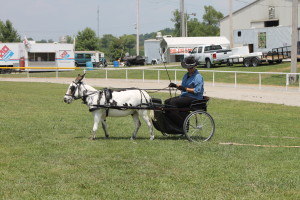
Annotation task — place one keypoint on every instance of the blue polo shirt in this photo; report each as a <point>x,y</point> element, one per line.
<point>195,81</point>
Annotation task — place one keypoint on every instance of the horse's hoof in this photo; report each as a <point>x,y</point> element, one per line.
<point>151,138</point>
<point>93,138</point>
<point>132,138</point>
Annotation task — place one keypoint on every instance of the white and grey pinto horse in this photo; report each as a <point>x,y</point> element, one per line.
<point>101,101</point>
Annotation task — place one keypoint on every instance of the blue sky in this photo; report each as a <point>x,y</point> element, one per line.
<point>50,19</point>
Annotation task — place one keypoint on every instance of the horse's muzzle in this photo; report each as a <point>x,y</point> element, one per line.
<point>67,100</point>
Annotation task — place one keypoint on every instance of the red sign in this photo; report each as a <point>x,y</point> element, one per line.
<point>180,50</point>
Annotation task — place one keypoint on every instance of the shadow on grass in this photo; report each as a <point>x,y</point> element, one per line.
<point>169,137</point>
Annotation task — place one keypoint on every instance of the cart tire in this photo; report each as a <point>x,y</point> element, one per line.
<point>199,126</point>
<point>255,62</point>
<point>247,62</point>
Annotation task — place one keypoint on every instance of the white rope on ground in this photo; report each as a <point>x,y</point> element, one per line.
<point>256,145</point>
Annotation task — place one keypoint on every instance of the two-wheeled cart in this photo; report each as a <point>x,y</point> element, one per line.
<point>196,123</point>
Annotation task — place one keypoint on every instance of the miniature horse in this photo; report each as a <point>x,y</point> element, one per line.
<point>109,103</point>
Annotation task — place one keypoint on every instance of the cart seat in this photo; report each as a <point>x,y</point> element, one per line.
<point>200,104</point>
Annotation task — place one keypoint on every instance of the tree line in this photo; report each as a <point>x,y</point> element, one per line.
<point>118,47</point>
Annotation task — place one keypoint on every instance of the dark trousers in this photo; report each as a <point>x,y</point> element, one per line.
<point>176,116</point>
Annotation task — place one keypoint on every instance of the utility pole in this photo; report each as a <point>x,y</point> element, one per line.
<point>98,22</point>
<point>137,27</point>
<point>230,24</point>
<point>182,17</point>
<point>292,79</point>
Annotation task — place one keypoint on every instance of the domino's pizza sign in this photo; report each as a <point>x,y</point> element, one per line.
<point>64,55</point>
<point>6,53</point>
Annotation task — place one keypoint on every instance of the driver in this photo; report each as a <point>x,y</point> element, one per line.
<point>192,85</point>
<point>192,88</point>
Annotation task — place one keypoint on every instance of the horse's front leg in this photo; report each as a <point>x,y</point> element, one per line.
<point>97,118</point>
<point>137,123</point>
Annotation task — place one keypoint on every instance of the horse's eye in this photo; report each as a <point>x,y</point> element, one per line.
<point>72,88</point>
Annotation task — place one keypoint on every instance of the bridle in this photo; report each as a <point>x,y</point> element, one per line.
<point>73,90</point>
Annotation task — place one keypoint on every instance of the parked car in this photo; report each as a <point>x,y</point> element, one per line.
<point>134,60</point>
<point>81,58</point>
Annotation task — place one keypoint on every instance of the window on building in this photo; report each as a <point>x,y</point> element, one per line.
<point>271,23</point>
<point>239,33</point>
<point>41,57</point>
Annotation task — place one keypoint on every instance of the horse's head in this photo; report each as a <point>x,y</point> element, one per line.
<point>73,90</point>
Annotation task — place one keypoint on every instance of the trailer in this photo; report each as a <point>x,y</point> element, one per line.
<point>242,55</point>
<point>34,57</point>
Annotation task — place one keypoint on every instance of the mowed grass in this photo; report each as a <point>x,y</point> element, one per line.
<point>46,152</point>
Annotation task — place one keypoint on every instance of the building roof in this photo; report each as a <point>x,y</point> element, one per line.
<point>185,42</point>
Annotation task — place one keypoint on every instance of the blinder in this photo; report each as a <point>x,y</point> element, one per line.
<point>73,90</point>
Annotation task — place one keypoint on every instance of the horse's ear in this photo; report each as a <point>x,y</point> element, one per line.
<point>79,78</point>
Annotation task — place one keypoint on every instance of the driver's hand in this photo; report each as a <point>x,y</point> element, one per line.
<point>172,85</point>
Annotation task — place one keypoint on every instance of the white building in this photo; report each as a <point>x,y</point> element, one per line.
<point>31,54</point>
<point>262,25</point>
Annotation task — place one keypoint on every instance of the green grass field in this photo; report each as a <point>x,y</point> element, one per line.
<point>46,152</point>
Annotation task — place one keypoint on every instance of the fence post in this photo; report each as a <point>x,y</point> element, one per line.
<point>175,75</point>
<point>56,73</point>
<point>213,78</point>
<point>143,75</point>
<point>126,75</point>
<point>158,76</point>
<point>235,79</point>
<point>259,78</point>
<point>105,74</point>
<point>286,82</point>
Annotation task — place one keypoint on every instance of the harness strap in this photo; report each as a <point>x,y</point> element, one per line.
<point>99,97</point>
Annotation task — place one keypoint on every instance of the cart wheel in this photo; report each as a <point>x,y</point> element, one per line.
<point>199,126</point>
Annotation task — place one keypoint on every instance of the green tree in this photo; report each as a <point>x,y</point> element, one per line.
<point>70,39</point>
<point>211,16</point>
<point>128,43</point>
<point>208,27</point>
<point>8,33</point>
<point>176,19</point>
<point>41,41</point>
<point>115,49</point>
<point>211,19</point>
<point>105,41</point>
<point>87,40</point>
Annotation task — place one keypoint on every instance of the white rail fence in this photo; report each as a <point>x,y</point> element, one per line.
<point>287,76</point>
<point>173,73</point>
